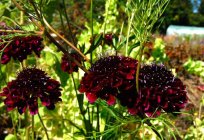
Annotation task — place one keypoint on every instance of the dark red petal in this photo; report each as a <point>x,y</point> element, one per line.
<point>91,97</point>
<point>111,100</point>
<point>132,111</point>
<point>5,58</point>
<point>10,103</point>
<point>52,84</point>
<point>5,92</point>
<point>51,106</point>
<point>33,106</point>
<point>22,105</point>
<point>45,100</point>
<point>117,82</point>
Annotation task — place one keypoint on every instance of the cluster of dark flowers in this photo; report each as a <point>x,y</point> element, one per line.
<point>18,47</point>
<point>111,78</point>
<point>114,78</point>
<point>31,84</point>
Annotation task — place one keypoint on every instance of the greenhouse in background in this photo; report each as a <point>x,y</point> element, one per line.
<point>185,30</point>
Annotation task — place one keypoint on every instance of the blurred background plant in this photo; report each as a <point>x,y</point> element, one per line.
<point>195,67</point>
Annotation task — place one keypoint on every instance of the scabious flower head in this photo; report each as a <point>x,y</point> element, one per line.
<point>108,77</point>
<point>31,84</point>
<point>159,89</point>
<point>20,47</point>
<point>68,65</point>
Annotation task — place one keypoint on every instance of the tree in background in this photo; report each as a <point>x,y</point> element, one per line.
<point>201,8</point>
<point>181,12</point>
<point>197,18</point>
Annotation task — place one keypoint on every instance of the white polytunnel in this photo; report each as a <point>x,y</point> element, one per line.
<point>184,30</point>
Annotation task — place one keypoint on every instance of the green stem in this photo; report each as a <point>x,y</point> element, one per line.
<point>138,68</point>
<point>27,135</point>
<point>200,108</point>
<point>73,124</point>
<point>91,18</point>
<point>91,57</point>
<point>41,121</point>
<point>14,124</point>
<point>154,129</point>
<point>27,124</point>
<point>98,119</point>
<point>148,122</point>
<point>33,130</point>
<point>68,23</point>
<point>19,121</point>
<point>85,121</point>
<point>63,26</point>
<point>75,88</point>
<point>128,32</point>
<point>104,29</point>
<point>92,32</point>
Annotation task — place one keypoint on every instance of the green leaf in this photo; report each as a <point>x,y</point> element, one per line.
<point>124,42</point>
<point>28,27</point>
<point>82,47</point>
<point>49,9</point>
<point>96,43</point>
<point>132,47</point>
<point>80,98</point>
<point>50,58</point>
<point>62,75</point>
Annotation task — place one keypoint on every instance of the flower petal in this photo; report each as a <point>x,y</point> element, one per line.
<point>91,97</point>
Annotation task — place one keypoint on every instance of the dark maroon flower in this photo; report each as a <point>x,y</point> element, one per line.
<point>68,65</point>
<point>20,47</point>
<point>108,78</point>
<point>108,39</point>
<point>31,84</point>
<point>159,89</point>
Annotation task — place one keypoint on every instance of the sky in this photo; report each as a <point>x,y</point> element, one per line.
<point>196,4</point>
